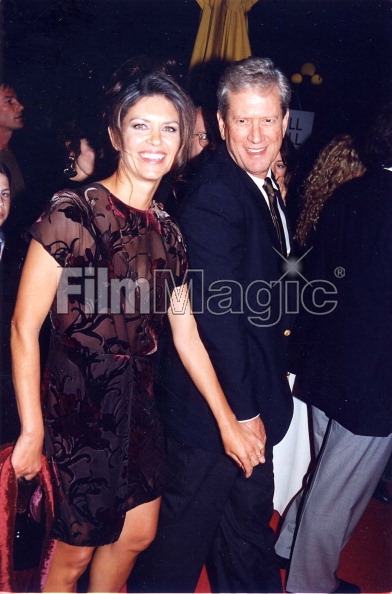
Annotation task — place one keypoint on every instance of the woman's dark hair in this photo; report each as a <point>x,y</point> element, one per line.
<point>73,132</point>
<point>375,143</point>
<point>5,171</point>
<point>289,155</point>
<point>91,129</point>
<point>135,80</point>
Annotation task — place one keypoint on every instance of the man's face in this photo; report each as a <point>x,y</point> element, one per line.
<point>11,111</point>
<point>254,128</point>
<point>200,128</point>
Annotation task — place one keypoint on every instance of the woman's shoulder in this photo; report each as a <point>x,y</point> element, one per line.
<point>83,197</point>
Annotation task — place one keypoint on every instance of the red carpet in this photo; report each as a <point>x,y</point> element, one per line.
<point>366,560</point>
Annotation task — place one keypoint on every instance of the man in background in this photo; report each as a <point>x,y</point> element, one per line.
<point>343,367</point>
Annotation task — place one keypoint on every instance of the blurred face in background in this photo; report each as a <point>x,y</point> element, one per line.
<point>11,111</point>
<point>279,170</point>
<point>5,198</point>
<point>85,161</point>
<point>200,138</point>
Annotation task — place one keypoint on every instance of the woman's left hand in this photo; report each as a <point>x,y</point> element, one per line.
<point>26,457</point>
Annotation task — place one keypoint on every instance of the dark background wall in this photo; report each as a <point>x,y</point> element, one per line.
<point>60,53</point>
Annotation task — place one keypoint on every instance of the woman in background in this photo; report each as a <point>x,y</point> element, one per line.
<point>337,163</point>
<point>284,166</point>
<point>83,153</point>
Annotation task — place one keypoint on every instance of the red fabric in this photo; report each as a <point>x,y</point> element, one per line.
<point>29,580</point>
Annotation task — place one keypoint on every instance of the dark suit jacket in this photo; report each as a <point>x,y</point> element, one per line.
<point>238,304</point>
<point>344,367</point>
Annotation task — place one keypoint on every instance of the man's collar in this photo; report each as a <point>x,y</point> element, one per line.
<point>260,182</point>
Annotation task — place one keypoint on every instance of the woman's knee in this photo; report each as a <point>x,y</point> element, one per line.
<point>140,526</point>
<point>72,557</point>
<point>138,541</point>
<point>67,564</point>
<point>83,557</point>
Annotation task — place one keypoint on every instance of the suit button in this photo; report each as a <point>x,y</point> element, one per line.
<point>287,332</point>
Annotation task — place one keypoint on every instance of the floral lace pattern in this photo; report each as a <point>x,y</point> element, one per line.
<point>103,433</point>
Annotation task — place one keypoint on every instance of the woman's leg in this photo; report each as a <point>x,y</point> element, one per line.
<point>112,564</point>
<point>67,565</point>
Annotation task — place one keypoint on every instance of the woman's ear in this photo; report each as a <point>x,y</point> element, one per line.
<point>113,140</point>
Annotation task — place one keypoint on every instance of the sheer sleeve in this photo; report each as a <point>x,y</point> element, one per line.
<point>64,229</point>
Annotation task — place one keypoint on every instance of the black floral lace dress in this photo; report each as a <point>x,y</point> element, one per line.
<point>102,430</point>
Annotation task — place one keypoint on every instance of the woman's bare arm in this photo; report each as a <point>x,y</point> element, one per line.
<point>36,292</point>
<point>240,442</point>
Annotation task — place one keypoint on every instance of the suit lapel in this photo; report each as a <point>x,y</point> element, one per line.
<point>254,194</point>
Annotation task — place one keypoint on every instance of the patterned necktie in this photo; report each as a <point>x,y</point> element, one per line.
<point>271,193</point>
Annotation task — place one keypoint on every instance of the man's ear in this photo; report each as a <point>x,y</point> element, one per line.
<point>222,125</point>
<point>285,121</point>
<point>113,140</point>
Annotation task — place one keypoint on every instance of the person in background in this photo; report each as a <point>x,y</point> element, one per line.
<point>212,513</point>
<point>343,358</point>
<point>203,134</point>
<point>337,162</point>
<point>5,201</point>
<point>81,159</point>
<point>83,152</point>
<point>99,425</point>
<point>204,141</point>
<point>11,120</point>
<point>284,166</point>
<point>12,249</point>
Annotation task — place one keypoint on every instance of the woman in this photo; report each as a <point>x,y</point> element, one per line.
<point>338,162</point>
<point>284,166</point>
<point>99,422</point>
<point>82,152</point>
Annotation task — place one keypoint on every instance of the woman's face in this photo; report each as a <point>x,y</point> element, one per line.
<point>279,170</point>
<point>84,163</point>
<point>5,198</point>
<point>150,137</point>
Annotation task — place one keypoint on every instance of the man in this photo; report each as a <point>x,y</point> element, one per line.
<point>211,513</point>
<point>11,119</point>
<point>344,368</point>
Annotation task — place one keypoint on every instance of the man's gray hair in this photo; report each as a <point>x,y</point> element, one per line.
<point>251,73</point>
